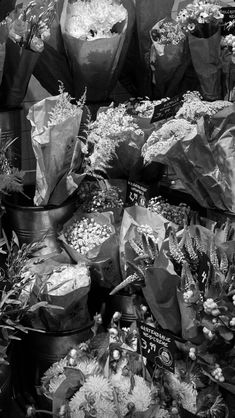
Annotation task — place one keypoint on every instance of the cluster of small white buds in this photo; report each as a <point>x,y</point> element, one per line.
<point>217,373</point>
<point>211,307</point>
<point>234,299</point>
<point>192,353</point>
<point>232,322</point>
<point>208,333</point>
<point>229,40</point>
<point>85,234</point>
<point>187,296</point>
<point>117,316</point>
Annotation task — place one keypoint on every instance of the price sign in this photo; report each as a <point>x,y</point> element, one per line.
<point>228,25</point>
<point>157,346</point>
<point>167,109</point>
<point>137,194</point>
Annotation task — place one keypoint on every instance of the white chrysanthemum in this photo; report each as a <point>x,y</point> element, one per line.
<point>56,369</point>
<point>94,19</point>
<point>140,395</point>
<point>100,391</point>
<point>55,382</point>
<point>185,392</point>
<point>88,367</point>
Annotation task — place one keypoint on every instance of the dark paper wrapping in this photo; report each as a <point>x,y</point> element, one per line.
<point>205,54</point>
<point>160,292</point>
<point>133,217</point>
<point>19,66</point>
<point>193,162</point>
<point>221,137</point>
<point>104,258</point>
<point>168,64</point>
<point>55,148</point>
<point>94,63</point>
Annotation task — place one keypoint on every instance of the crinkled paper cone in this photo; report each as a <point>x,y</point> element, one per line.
<point>168,66</point>
<point>137,216</point>
<point>93,63</point>
<point>53,147</point>
<point>19,66</point>
<point>104,258</point>
<point>205,54</point>
<point>221,138</point>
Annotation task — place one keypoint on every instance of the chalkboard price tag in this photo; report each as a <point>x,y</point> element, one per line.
<point>167,109</point>
<point>137,194</point>
<point>228,25</point>
<point>157,346</point>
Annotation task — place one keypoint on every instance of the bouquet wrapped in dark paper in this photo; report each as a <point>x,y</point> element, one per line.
<point>92,238</point>
<point>201,20</point>
<point>55,127</point>
<point>168,56</point>
<point>64,287</point>
<point>28,27</point>
<point>94,34</point>
<point>187,149</point>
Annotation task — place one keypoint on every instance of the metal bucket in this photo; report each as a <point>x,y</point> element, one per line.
<point>36,352</point>
<point>32,223</point>
<point>5,390</point>
<point>10,126</point>
<point>124,304</point>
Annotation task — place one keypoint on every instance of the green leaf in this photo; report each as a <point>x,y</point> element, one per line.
<point>225,333</point>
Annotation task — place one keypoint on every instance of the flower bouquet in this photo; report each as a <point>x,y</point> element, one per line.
<point>92,238</point>
<point>94,33</point>
<point>102,378</point>
<point>55,125</point>
<point>200,20</point>
<point>113,145</point>
<point>188,149</point>
<point>168,58</point>
<point>63,286</point>
<point>28,27</point>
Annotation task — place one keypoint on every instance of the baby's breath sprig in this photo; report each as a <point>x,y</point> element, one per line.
<point>64,109</point>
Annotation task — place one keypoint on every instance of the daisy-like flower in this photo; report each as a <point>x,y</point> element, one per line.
<point>95,395</point>
<point>88,367</point>
<point>55,382</point>
<point>185,392</point>
<point>140,395</point>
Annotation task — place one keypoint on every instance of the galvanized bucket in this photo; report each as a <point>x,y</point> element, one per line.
<point>5,390</point>
<point>10,127</point>
<point>34,223</point>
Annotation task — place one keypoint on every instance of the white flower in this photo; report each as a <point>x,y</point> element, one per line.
<point>68,278</point>
<point>93,19</point>
<point>96,394</point>
<point>55,382</point>
<point>140,395</point>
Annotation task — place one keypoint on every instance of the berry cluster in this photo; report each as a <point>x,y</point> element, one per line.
<point>211,307</point>
<point>217,373</point>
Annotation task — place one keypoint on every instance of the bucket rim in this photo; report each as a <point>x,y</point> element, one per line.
<point>7,202</point>
<point>43,333</point>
